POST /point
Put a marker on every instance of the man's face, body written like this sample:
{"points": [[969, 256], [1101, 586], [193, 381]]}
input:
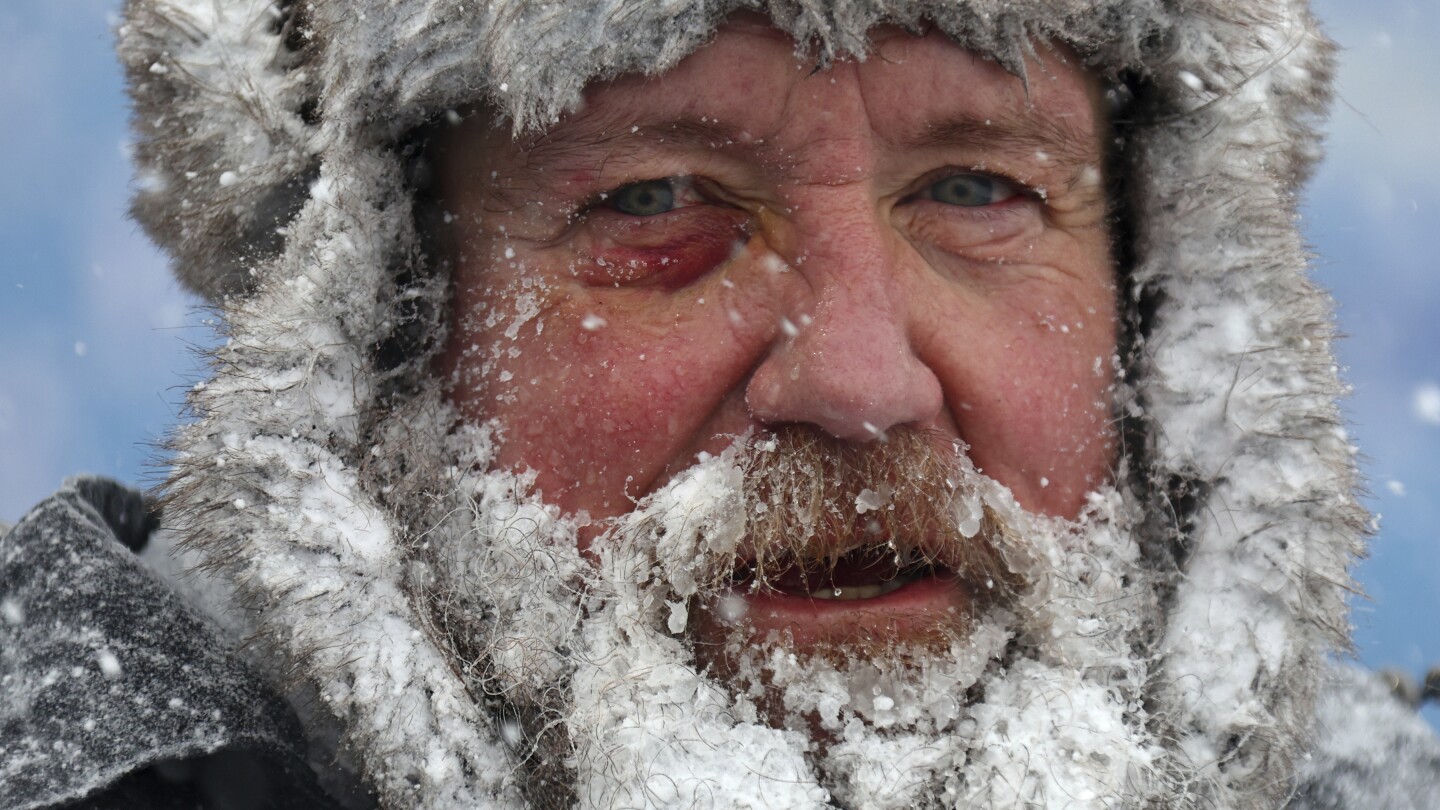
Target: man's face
{"points": [[916, 242]]}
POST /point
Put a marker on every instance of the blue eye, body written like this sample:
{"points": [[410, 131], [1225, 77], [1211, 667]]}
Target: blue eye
{"points": [[970, 190], [644, 199]]}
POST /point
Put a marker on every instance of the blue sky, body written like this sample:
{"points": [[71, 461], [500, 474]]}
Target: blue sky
{"points": [[1373, 216], [97, 339]]}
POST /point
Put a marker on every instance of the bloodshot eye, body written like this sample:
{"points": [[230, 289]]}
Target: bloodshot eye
{"points": [[644, 199], [970, 190]]}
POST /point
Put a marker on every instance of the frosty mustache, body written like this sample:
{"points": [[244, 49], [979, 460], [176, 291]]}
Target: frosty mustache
{"points": [[792, 510], [836, 520]]}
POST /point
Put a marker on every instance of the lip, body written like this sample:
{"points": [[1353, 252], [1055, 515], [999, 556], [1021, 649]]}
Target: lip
{"points": [[912, 610]]}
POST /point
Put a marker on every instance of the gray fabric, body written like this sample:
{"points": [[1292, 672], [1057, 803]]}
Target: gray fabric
{"points": [[1371, 751], [103, 672]]}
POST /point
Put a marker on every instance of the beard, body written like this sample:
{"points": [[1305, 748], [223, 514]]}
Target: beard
{"points": [[639, 675], [836, 537]]}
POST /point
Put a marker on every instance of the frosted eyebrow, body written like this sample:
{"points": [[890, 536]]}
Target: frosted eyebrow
{"points": [[1023, 135], [681, 134]]}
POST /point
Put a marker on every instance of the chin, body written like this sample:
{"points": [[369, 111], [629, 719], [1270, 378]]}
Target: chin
{"points": [[683, 648], [900, 663]]}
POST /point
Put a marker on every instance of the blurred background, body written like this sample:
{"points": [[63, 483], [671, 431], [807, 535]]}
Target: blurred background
{"points": [[96, 341]]}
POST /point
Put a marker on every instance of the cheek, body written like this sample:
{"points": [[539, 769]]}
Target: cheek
{"points": [[1034, 399], [575, 405], [602, 413], [585, 423]]}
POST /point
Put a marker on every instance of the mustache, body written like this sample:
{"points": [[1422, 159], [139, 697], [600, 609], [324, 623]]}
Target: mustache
{"points": [[910, 502]]}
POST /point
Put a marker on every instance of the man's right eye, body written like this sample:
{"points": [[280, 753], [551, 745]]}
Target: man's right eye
{"points": [[644, 199]]}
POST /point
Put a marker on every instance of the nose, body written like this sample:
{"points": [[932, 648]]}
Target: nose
{"points": [[845, 361]]}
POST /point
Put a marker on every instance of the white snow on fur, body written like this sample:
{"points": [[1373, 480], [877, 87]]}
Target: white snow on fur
{"points": [[1235, 386]]}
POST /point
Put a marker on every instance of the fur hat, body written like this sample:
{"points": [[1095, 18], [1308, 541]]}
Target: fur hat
{"points": [[273, 166]]}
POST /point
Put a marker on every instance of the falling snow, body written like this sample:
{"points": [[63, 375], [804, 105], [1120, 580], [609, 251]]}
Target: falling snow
{"points": [[1427, 403]]}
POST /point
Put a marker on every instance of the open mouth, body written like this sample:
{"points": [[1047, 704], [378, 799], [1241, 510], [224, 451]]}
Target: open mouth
{"points": [[870, 594], [868, 572]]}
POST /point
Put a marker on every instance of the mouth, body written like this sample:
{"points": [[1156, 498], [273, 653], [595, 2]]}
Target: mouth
{"points": [[862, 574], [872, 593]]}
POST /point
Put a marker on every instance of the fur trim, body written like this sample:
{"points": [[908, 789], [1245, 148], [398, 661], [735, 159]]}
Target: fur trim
{"points": [[271, 169]]}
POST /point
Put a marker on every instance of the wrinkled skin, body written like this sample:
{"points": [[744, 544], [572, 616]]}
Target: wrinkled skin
{"points": [[911, 241]]}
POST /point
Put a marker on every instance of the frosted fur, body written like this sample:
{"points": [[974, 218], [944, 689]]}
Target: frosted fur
{"points": [[650, 730], [269, 169]]}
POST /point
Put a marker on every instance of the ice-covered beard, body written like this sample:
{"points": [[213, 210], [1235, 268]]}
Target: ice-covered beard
{"points": [[833, 530], [611, 691]]}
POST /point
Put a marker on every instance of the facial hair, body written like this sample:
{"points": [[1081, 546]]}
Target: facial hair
{"points": [[611, 690], [826, 517]]}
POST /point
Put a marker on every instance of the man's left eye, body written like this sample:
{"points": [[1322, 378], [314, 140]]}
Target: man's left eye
{"points": [[969, 190], [644, 199]]}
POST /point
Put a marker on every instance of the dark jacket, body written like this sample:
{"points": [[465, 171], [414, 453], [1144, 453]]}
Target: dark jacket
{"points": [[114, 693]]}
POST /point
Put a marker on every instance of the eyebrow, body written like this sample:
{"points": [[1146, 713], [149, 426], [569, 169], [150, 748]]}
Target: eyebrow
{"points": [[1009, 132], [684, 133]]}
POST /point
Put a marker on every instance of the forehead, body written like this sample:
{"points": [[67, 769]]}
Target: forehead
{"points": [[751, 86]]}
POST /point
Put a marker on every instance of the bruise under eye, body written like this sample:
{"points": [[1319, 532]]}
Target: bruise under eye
{"points": [[668, 250]]}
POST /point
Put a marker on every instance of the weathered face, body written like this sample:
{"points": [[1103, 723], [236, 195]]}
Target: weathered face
{"points": [[745, 244]]}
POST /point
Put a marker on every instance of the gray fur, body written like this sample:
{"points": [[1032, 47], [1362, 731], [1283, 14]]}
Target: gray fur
{"points": [[1237, 91]]}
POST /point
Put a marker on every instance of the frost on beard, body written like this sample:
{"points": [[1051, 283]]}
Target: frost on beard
{"points": [[1042, 697]]}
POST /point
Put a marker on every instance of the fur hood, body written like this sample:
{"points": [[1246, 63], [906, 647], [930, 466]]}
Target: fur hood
{"points": [[274, 166]]}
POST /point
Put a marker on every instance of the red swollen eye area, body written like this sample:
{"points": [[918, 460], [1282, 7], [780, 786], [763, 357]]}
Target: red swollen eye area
{"points": [[668, 251]]}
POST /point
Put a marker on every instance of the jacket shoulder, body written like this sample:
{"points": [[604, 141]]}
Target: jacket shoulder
{"points": [[111, 688]]}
